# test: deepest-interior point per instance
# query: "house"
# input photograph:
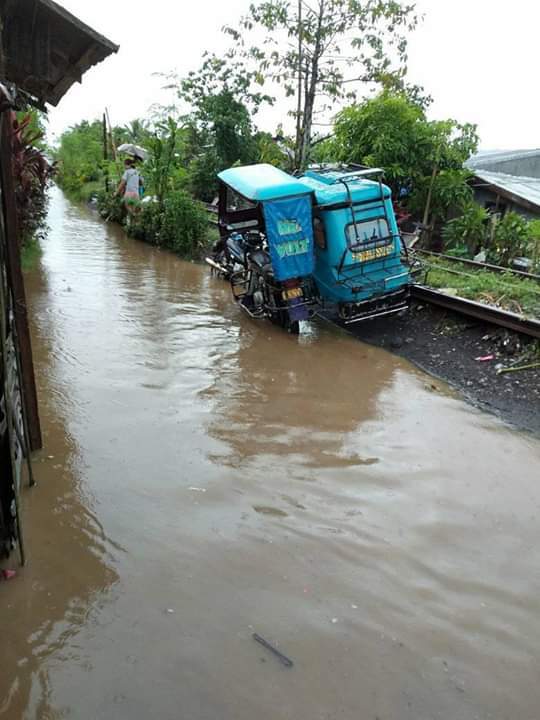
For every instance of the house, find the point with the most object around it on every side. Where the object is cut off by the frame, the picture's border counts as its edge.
(44, 50)
(507, 180)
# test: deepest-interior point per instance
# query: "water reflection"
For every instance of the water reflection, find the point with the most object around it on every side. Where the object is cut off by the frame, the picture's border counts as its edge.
(295, 398)
(71, 568)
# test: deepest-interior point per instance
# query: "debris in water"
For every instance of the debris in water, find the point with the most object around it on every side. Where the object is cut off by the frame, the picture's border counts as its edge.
(8, 574)
(196, 489)
(485, 358)
(265, 510)
(282, 658)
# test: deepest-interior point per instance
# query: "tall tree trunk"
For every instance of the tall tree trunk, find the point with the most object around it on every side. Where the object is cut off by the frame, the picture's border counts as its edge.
(298, 143)
(309, 104)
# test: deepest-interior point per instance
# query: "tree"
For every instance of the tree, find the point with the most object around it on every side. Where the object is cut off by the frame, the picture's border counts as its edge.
(391, 131)
(163, 145)
(222, 101)
(423, 160)
(387, 131)
(80, 156)
(318, 51)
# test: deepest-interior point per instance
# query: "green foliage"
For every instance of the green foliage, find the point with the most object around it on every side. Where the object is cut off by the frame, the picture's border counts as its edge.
(222, 76)
(203, 171)
(162, 146)
(450, 191)
(32, 173)
(534, 246)
(466, 234)
(220, 128)
(391, 131)
(110, 206)
(274, 151)
(511, 239)
(180, 224)
(37, 126)
(80, 158)
(30, 253)
(318, 52)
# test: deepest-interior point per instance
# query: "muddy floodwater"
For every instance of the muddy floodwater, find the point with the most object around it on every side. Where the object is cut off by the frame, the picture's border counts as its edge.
(206, 477)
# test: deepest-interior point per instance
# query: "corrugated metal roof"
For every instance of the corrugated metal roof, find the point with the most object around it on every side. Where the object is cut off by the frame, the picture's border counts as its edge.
(488, 157)
(526, 188)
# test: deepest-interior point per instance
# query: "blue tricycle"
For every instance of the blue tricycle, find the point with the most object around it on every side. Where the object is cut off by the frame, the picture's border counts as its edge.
(293, 246)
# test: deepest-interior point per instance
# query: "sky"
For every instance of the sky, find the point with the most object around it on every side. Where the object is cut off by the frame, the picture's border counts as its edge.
(478, 59)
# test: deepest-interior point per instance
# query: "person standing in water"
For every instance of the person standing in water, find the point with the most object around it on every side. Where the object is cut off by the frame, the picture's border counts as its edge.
(130, 188)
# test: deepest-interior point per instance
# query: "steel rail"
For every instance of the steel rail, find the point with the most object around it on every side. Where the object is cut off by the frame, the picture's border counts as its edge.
(471, 308)
(480, 265)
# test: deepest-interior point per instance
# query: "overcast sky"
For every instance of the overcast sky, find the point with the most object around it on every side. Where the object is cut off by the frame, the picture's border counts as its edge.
(479, 59)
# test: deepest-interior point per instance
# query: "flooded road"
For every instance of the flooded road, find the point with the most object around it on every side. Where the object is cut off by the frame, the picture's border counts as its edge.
(206, 477)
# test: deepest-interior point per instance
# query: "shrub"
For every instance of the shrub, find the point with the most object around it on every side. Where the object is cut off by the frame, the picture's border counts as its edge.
(184, 224)
(147, 225)
(511, 239)
(32, 174)
(110, 206)
(533, 250)
(466, 234)
(180, 224)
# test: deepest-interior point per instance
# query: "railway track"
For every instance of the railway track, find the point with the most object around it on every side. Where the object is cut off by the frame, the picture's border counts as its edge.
(478, 265)
(480, 311)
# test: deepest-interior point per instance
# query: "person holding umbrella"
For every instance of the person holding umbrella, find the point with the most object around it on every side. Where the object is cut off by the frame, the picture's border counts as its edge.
(130, 188)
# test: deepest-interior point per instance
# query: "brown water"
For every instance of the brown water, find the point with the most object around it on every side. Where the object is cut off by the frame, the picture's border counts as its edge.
(206, 477)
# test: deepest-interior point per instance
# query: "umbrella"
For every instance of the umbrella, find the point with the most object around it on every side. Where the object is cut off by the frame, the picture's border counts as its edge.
(134, 150)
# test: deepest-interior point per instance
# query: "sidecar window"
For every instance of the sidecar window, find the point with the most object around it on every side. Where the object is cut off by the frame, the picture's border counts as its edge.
(236, 202)
(368, 231)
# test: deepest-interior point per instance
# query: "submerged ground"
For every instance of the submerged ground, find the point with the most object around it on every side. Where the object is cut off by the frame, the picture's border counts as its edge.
(206, 477)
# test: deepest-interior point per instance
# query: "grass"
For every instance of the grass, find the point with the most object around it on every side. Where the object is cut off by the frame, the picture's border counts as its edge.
(505, 290)
(83, 193)
(30, 254)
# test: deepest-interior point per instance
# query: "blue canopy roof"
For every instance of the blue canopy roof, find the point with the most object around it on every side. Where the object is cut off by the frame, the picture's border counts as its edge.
(262, 182)
(330, 194)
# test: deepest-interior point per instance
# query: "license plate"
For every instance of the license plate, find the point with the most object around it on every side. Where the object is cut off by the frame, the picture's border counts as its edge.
(373, 254)
(292, 294)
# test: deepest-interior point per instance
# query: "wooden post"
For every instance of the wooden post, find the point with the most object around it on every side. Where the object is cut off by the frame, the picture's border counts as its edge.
(15, 278)
(113, 146)
(105, 151)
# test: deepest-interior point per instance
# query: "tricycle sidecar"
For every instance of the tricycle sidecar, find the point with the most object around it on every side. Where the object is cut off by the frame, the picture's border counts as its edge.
(266, 246)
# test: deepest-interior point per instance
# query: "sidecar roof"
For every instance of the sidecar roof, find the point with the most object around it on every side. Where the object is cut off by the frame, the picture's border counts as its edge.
(330, 190)
(262, 182)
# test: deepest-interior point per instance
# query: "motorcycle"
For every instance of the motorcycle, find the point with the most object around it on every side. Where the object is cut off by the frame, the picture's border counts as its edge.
(244, 260)
(266, 246)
